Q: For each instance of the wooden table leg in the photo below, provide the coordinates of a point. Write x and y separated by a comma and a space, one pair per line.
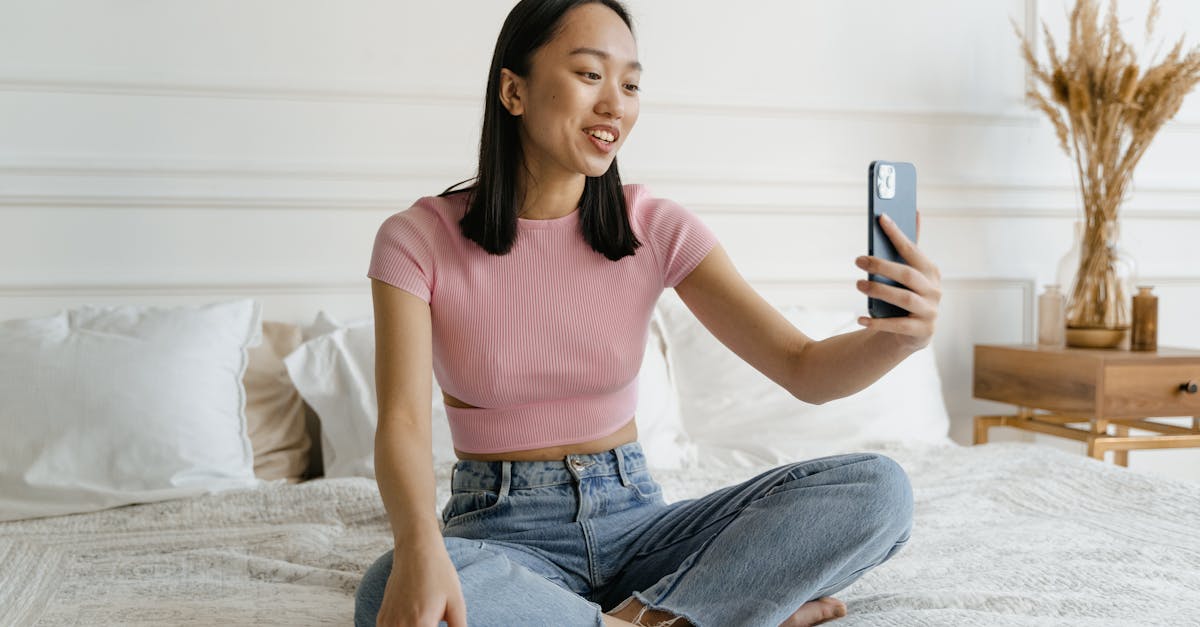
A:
1121, 456
1097, 449
982, 424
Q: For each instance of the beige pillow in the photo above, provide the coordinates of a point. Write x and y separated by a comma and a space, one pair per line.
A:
274, 409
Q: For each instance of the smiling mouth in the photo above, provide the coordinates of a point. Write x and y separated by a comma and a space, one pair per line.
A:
602, 135
602, 146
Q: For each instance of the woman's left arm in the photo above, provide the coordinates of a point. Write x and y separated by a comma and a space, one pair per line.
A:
818, 371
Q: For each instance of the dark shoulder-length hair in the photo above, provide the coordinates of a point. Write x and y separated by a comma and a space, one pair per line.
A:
491, 217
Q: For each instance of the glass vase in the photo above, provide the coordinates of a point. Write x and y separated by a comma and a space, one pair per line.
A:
1100, 276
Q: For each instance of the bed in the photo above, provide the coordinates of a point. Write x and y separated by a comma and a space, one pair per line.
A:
1004, 533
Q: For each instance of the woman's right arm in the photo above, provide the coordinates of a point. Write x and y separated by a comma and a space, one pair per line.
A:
423, 587
403, 436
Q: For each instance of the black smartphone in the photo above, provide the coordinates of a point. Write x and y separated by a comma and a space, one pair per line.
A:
891, 190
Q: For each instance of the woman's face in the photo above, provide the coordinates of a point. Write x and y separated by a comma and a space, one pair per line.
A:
580, 100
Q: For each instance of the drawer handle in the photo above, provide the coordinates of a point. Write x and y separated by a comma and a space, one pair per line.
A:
1190, 387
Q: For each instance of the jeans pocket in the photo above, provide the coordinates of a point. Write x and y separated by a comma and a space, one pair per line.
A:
467, 505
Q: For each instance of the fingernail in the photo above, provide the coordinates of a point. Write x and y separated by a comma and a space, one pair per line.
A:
887, 218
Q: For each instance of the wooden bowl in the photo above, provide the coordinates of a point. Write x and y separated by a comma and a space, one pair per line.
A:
1081, 337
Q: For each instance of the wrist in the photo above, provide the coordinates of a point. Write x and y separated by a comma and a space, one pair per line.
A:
905, 345
418, 531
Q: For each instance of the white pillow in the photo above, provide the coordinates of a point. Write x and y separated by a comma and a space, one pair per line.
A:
737, 417
325, 323
103, 406
335, 373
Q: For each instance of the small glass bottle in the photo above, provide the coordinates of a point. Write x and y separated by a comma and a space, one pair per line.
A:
1052, 325
1145, 320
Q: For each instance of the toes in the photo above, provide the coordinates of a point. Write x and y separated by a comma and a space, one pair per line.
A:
815, 612
834, 604
835, 608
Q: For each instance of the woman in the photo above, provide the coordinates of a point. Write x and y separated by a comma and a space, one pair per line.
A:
530, 295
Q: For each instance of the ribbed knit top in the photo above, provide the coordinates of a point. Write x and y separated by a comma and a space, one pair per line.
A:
546, 341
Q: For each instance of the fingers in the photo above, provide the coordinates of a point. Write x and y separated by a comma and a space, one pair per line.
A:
913, 327
914, 303
907, 249
456, 614
905, 275
920, 276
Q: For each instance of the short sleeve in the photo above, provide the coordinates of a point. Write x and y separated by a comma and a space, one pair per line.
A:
403, 255
680, 238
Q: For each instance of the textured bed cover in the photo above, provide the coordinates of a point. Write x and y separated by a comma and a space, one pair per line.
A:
1005, 534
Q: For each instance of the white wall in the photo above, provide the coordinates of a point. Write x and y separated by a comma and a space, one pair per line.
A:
170, 152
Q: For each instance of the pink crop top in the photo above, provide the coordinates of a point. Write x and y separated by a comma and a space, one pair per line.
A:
547, 341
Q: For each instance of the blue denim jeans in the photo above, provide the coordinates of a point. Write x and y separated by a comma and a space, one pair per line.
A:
561, 542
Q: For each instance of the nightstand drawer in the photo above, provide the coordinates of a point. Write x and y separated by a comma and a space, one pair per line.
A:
1150, 390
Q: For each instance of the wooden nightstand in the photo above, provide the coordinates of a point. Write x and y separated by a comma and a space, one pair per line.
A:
1095, 386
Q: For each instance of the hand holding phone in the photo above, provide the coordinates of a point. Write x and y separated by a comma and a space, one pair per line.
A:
899, 272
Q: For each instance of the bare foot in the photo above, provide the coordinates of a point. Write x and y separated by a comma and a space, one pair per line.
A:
816, 612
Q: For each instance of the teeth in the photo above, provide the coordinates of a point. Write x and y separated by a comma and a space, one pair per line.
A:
602, 135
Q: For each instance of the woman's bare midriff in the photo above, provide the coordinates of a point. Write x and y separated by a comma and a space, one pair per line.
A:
624, 435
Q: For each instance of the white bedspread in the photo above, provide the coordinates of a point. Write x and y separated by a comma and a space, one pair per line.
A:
1005, 534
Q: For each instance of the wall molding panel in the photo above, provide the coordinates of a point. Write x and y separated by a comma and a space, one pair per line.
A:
381, 187
375, 94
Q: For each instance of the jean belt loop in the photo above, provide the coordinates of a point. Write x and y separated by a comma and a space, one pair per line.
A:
621, 466
505, 477
453, 471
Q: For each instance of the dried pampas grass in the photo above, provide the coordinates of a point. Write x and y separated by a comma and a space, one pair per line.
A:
1105, 112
